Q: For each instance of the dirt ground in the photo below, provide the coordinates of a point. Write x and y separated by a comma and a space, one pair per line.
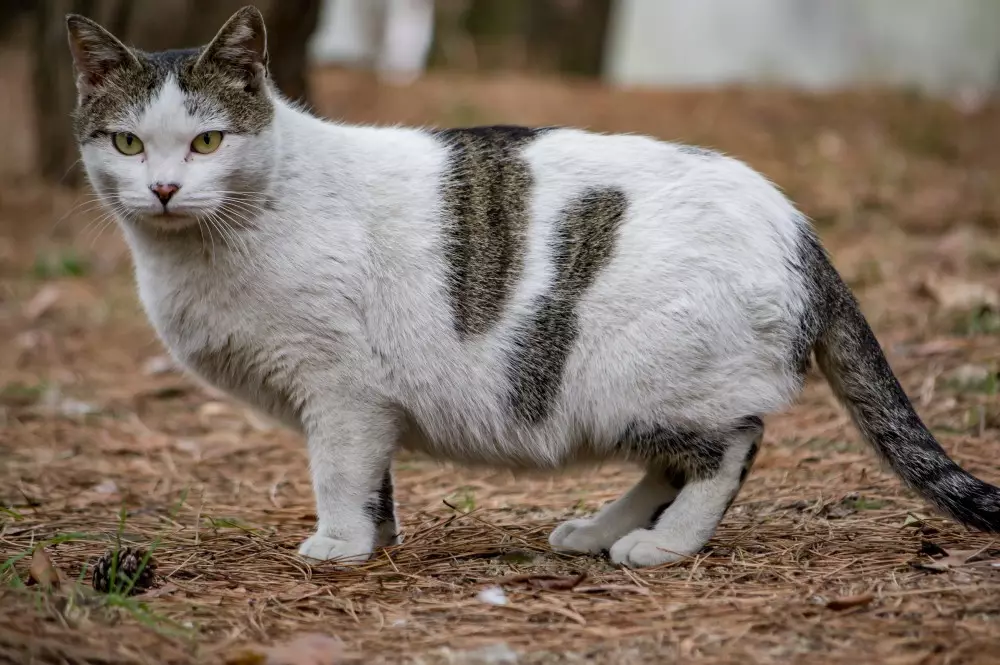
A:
823, 559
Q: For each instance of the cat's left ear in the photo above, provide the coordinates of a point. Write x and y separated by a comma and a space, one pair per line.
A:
240, 48
96, 53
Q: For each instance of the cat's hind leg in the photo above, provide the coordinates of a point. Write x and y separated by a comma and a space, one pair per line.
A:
688, 523
637, 508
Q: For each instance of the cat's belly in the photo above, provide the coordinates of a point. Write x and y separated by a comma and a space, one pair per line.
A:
542, 448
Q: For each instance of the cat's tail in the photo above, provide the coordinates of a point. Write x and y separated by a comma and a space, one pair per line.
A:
857, 370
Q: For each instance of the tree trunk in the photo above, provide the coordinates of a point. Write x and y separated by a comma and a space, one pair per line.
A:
290, 24
551, 36
55, 88
568, 36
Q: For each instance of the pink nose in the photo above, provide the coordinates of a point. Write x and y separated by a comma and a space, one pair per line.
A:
164, 192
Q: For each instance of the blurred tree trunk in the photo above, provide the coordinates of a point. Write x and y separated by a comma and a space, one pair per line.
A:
150, 25
569, 35
11, 13
290, 24
55, 87
550, 36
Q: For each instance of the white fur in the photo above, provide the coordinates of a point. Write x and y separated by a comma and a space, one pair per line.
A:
619, 518
690, 521
338, 293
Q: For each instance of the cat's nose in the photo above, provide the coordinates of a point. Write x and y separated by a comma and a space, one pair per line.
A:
164, 192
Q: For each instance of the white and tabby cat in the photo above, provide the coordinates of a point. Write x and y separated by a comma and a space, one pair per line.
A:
528, 298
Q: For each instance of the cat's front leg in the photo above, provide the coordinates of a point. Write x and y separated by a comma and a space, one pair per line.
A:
350, 449
383, 511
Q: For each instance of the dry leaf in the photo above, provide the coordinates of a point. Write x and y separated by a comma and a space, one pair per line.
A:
259, 421
957, 559
543, 581
158, 365
969, 375
956, 294
847, 602
213, 409
309, 649
43, 301
42, 571
935, 347
164, 590
189, 446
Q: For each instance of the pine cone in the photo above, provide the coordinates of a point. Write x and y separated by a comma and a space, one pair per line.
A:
126, 570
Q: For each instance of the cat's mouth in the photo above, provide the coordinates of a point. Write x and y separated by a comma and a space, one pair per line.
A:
170, 220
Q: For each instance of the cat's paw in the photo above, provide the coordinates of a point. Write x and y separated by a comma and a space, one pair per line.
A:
581, 535
324, 548
644, 548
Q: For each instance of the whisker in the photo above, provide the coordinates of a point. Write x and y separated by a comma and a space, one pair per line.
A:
71, 167
236, 224
228, 221
113, 208
246, 211
98, 231
82, 207
249, 214
199, 218
224, 234
211, 237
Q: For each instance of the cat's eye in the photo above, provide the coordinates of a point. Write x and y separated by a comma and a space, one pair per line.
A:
207, 142
127, 143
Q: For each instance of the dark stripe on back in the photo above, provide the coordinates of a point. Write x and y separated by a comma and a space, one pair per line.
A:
584, 242
486, 194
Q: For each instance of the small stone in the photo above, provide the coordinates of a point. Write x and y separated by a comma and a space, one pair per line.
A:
107, 487
499, 653
493, 595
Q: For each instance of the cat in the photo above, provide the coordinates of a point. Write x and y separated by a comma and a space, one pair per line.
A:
527, 298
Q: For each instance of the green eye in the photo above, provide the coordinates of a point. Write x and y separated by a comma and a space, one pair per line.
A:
127, 143
206, 143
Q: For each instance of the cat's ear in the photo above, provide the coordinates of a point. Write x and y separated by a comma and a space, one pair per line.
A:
240, 48
96, 52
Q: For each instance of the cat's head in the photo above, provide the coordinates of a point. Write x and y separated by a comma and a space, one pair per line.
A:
173, 137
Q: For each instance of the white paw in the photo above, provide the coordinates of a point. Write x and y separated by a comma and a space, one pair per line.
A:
323, 548
644, 548
581, 535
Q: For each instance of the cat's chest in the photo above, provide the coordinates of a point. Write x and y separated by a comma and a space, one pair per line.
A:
192, 309
227, 331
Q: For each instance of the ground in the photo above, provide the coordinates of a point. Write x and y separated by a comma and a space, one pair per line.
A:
823, 558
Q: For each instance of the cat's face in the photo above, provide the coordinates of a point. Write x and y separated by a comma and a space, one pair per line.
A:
172, 138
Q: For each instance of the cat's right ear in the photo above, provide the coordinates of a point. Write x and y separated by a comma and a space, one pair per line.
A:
96, 53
